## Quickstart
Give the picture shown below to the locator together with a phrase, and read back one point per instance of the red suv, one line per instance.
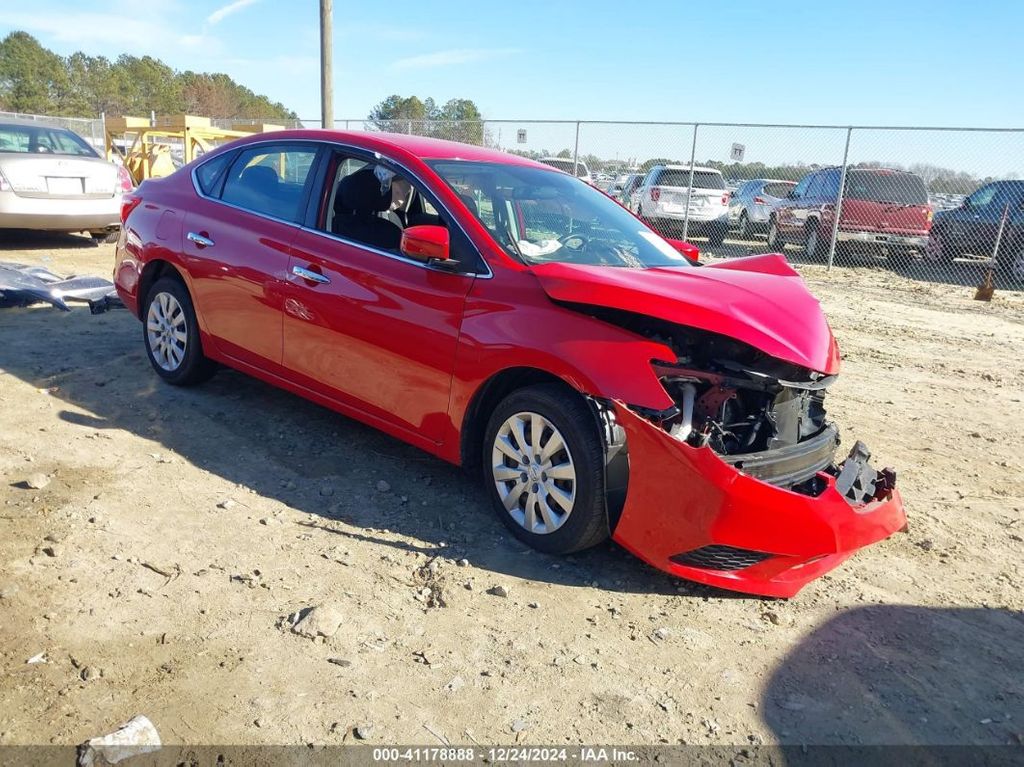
(510, 318)
(884, 211)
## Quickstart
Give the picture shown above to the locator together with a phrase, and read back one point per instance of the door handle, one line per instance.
(309, 274)
(200, 240)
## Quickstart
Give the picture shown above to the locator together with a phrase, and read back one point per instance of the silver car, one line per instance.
(52, 179)
(752, 202)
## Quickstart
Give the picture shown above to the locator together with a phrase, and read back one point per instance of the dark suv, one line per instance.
(884, 211)
(972, 229)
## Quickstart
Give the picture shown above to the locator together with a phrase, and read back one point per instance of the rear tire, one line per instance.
(557, 513)
(813, 245)
(170, 332)
(774, 236)
(105, 237)
(936, 249)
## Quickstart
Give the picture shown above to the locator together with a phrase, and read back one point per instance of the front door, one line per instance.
(364, 324)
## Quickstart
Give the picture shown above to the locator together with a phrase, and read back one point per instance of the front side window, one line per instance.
(540, 216)
(371, 204)
(269, 180)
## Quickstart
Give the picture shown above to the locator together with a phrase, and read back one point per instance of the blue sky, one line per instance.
(898, 62)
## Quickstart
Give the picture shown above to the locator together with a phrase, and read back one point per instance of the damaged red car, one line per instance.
(512, 319)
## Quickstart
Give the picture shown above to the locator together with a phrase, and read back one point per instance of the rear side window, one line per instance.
(269, 180)
(211, 172)
(778, 190)
(879, 186)
(702, 179)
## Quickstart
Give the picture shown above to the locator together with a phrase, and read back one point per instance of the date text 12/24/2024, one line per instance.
(495, 754)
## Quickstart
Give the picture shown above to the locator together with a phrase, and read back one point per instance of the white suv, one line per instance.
(662, 199)
(566, 165)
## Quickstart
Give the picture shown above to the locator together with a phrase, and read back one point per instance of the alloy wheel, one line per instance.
(167, 331)
(533, 472)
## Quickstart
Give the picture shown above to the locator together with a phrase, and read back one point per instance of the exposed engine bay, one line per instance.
(764, 416)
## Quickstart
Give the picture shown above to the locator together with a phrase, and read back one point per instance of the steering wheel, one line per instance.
(574, 241)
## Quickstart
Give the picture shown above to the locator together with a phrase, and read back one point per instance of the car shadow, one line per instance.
(904, 675)
(283, 447)
(24, 239)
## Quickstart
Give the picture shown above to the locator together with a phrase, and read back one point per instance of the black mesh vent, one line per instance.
(720, 558)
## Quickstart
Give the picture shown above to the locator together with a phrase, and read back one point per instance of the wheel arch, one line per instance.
(486, 399)
(152, 272)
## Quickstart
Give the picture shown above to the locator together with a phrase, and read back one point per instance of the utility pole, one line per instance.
(326, 64)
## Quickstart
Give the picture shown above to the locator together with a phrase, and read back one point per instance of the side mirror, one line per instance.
(428, 242)
(689, 250)
(966, 204)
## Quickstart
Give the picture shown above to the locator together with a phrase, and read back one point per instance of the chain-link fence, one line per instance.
(939, 204)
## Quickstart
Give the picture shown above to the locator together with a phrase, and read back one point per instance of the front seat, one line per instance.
(356, 205)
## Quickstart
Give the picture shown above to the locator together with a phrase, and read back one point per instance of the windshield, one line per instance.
(32, 139)
(541, 216)
(702, 179)
(881, 186)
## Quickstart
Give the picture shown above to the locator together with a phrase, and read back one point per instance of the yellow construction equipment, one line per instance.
(152, 151)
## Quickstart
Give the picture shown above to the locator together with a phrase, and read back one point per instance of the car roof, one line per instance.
(421, 146)
(23, 123)
(687, 167)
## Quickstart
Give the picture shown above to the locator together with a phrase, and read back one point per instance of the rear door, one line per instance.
(236, 247)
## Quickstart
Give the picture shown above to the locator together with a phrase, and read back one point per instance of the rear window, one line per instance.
(878, 186)
(42, 139)
(702, 179)
(778, 189)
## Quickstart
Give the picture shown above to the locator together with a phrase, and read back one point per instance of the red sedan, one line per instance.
(512, 319)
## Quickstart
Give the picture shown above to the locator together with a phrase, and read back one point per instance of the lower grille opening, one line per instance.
(720, 558)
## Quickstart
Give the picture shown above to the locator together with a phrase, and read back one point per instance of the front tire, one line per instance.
(543, 465)
(716, 237)
(171, 334)
(774, 237)
(813, 244)
(745, 231)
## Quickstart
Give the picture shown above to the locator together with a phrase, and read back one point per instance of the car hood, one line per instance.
(759, 300)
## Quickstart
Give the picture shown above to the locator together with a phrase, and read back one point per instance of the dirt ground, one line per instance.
(181, 528)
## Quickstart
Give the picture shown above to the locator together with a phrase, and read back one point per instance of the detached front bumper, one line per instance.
(693, 515)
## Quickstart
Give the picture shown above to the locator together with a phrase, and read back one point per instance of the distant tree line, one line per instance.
(455, 120)
(34, 79)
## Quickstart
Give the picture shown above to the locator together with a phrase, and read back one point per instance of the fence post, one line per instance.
(839, 203)
(152, 118)
(689, 185)
(576, 150)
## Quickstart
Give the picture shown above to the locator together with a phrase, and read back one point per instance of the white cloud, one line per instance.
(226, 10)
(85, 29)
(452, 57)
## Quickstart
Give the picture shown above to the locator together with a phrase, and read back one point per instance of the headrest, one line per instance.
(360, 193)
(470, 203)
